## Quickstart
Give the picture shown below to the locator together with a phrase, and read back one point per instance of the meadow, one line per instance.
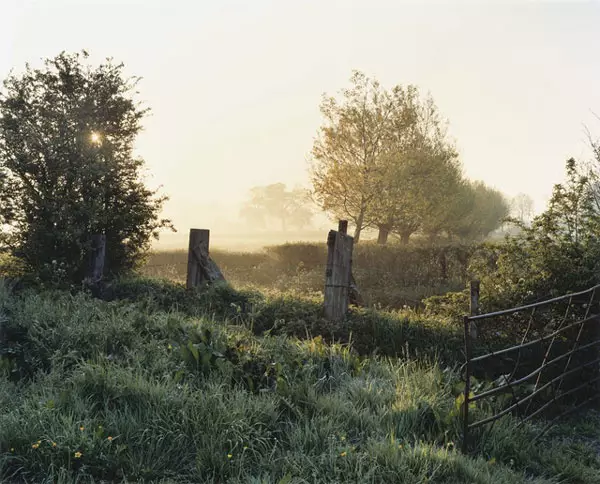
(391, 276)
(153, 383)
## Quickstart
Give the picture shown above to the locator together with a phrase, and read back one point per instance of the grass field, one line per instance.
(155, 384)
(388, 276)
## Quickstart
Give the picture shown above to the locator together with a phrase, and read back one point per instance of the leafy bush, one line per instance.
(91, 185)
(557, 254)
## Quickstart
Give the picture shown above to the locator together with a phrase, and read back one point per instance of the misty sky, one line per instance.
(235, 86)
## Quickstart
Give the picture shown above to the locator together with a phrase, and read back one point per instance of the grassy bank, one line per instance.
(157, 385)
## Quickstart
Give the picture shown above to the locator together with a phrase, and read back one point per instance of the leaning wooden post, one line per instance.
(338, 274)
(201, 269)
(97, 258)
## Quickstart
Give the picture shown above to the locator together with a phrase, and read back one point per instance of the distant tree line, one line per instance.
(383, 160)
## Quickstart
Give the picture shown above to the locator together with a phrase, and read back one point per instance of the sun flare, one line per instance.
(96, 138)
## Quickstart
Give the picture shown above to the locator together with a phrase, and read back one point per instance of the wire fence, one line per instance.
(551, 372)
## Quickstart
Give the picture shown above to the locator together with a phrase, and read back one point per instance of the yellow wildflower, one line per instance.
(245, 447)
(492, 461)
(229, 456)
(53, 444)
(342, 438)
(12, 449)
(82, 428)
(109, 438)
(343, 454)
(77, 455)
(35, 446)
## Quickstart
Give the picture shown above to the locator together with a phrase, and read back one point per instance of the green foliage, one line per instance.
(391, 334)
(477, 211)
(237, 408)
(67, 168)
(383, 160)
(453, 305)
(556, 254)
(10, 266)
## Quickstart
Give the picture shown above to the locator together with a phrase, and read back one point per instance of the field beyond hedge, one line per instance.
(157, 384)
(391, 276)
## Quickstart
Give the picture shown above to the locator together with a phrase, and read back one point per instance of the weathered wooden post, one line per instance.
(97, 258)
(201, 268)
(338, 275)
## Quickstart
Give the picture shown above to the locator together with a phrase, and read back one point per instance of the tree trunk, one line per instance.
(359, 225)
(404, 237)
(384, 232)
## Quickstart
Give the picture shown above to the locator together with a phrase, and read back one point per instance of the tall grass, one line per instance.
(137, 391)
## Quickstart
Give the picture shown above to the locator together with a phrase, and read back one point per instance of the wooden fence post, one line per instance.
(338, 275)
(201, 269)
(97, 258)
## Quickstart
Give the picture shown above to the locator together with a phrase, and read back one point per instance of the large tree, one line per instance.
(68, 170)
(420, 172)
(347, 153)
(383, 160)
(521, 207)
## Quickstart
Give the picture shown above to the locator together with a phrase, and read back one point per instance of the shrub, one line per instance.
(557, 254)
(92, 185)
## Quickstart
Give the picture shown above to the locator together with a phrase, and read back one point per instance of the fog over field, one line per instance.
(235, 86)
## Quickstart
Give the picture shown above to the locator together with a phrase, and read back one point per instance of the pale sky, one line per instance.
(235, 86)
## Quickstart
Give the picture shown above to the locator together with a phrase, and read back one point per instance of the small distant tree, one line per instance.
(521, 207)
(480, 210)
(276, 202)
(67, 168)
